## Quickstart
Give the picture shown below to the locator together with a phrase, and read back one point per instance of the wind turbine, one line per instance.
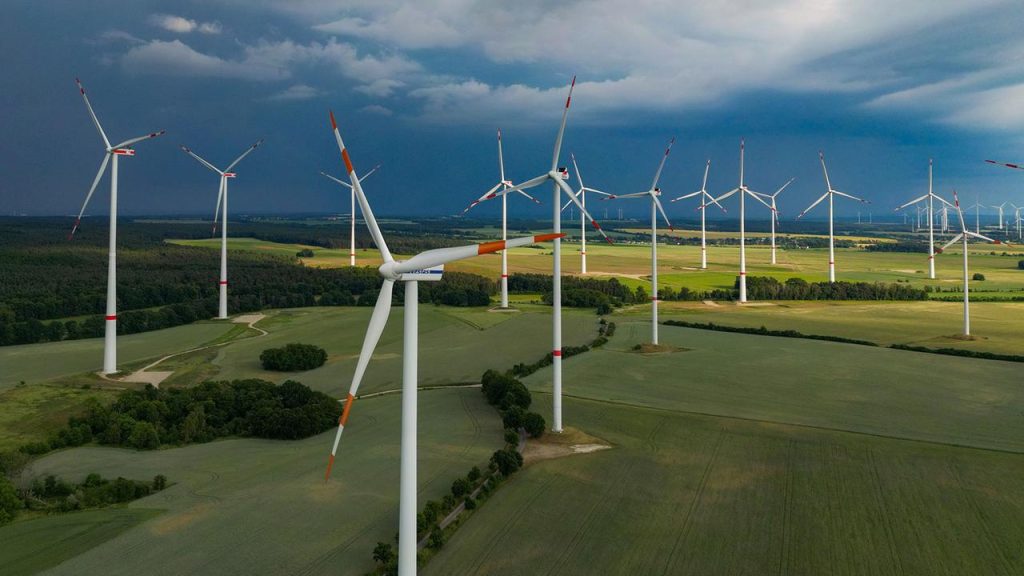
(775, 213)
(426, 266)
(1000, 208)
(744, 191)
(1016, 218)
(352, 223)
(582, 195)
(962, 237)
(111, 154)
(977, 215)
(557, 175)
(222, 198)
(653, 192)
(830, 194)
(705, 198)
(930, 197)
(502, 184)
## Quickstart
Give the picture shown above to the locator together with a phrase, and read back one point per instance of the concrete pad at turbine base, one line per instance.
(154, 378)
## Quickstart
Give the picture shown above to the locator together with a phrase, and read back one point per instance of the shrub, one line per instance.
(304, 253)
(534, 424)
(461, 487)
(293, 358)
(513, 417)
(978, 276)
(507, 461)
(470, 503)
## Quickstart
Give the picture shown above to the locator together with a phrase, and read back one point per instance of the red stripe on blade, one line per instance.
(334, 125)
(345, 411)
(546, 237)
(348, 161)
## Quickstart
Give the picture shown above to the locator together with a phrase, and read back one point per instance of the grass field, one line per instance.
(261, 506)
(766, 463)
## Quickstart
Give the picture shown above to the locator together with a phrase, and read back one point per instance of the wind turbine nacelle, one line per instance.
(563, 172)
(229, 174)
(123, 151)
(507, 183)
(425, 275)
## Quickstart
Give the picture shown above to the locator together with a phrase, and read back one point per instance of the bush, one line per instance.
(10, 504)
(978, 276)
(461, 487)
(534, 424)
(470, 503)
(507, 461)
(1020, 264)
(293, 358)
(513, 417)
(304, 253)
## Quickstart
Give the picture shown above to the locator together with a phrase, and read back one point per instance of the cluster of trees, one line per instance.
(293, 358)
(605, 330)
(784, 242)
(53, 494)
(767, 288)
(153, 417)
(762, 331)
(574, 289)
(512, 399)
(162, 285)
(900, 246)
(961, 352)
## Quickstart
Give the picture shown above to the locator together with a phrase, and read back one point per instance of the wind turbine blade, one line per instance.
(713, 201)
(378, 320)
(821, 156)
(367, 175)
(244, 154)
(707, 168)
(92, 114)
(561, 128)
(914, 201)
(578, 175)
(1008, 165)
(630, 195)
(439, 256)
(216, 212)
(985, 238)
(959, 212)
(338, 180)
(657, 175)
(568, 191)
(95, 182)
(131, 141)
(851, 197)
(816, 202)
(525, 185)
(760, 198)
(567, 202)
(530, 197)
(685, 196)
(189, 151)
(657, 202)
(955, 239)
(487, 195)
(364, 205)
(779, 191)
(724, 196)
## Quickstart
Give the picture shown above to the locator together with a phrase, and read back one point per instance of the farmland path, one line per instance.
(155, 378)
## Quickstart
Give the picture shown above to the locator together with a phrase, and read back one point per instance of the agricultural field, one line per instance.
(247, 506)
(748, 454)
(679, 265)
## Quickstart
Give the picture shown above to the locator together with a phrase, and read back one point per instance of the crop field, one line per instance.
(852, 464)
(995, 325)
(679, 265)
(248, 506)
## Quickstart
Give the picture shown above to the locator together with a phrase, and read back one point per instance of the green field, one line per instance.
(261, 506)
(800, 472)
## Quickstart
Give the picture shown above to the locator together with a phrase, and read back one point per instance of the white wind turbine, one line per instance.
(425, 266)
(1016, 218)
(581, 194)
(222, 199)
(1000, 208)
(962, 237)
(830, 193)
(352, 223)
(653, 192)
(744, 192)
(775, 213)
(111, 154)
(557, 175)
(705, 199)
(930, 197)
(502, 184)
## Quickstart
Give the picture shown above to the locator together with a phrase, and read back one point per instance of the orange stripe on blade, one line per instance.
(546, 237)
(488, 247)
(348, 161)
(330, 464)
(348, 407)
(334, 124)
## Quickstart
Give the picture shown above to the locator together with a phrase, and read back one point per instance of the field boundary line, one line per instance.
(782, 423)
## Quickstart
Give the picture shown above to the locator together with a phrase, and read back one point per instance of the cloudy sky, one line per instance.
(420, 87)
